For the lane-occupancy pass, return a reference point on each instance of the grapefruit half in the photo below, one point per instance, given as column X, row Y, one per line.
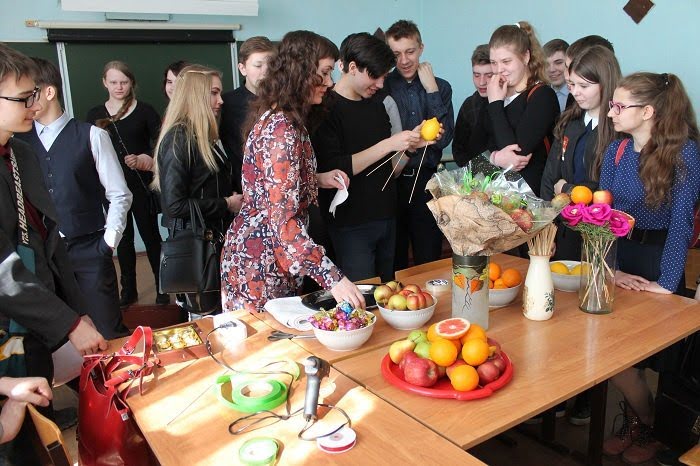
column 452, row 329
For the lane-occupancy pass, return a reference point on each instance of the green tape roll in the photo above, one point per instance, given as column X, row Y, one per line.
column 259, row 451
column 275, row 393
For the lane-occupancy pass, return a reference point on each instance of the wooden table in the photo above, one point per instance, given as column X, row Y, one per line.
column 553, row 360
column 199, row 436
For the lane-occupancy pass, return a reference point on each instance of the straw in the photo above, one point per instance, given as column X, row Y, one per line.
column 384, row 162
column 394, row 169
column 543, row 243
column 417, row 173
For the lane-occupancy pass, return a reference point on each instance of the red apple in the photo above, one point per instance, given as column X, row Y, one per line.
column 410, row 355
column 523, row 218
column 413, row 287
column 429, row 301
column 488, row 372
column 457, row 363
column 603, row 197
column 499, row 362
column 415, row 301
column 397, row 302
column 442, row 370
column 382, row 293
column 421, row 372
column 405, row 293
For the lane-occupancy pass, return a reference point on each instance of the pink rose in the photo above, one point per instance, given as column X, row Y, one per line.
column 619, row 226
column 596, row 214
column 573, row 213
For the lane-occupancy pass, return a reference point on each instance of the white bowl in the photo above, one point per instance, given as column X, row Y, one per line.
column 499, row 297
column 568, row 283
column 345, row 340
column 408, row 320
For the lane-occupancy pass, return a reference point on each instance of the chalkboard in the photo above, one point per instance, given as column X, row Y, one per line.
column 146, row 60
column 45, row 50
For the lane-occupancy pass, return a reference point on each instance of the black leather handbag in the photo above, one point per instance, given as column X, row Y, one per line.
column 189, row 258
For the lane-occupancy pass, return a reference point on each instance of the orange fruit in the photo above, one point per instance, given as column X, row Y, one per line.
column 494, row 271
column 475, row 331
column 490, row 284
column 475, row 351
column 451, row 329
column 443, row 352
column 581, row 195
column 464, row 378
column 511, row 278
column 499, row 285
column 432, row 336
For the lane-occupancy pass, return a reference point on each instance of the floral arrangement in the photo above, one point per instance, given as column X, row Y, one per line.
column 597, row 220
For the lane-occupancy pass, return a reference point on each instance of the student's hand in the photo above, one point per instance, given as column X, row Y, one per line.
column 427, row 77
column 234, row 202
column 86, row 338
column 328, row 180
column 495, row 89
column 11, row 418
column 654, row 287
column 143, row 162
column 630, row 282
column 34, row 390
column 405, row 140
column 345, row 290
column 507, row 157
column 558, row 186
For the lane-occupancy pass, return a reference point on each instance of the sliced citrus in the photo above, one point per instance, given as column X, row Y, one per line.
column 451, row 329
column 475, row 331
column 475, row 351
column 443, row 352
column 464, row 378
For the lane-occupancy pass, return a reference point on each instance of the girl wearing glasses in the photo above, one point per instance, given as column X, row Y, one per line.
column 521, row 109
column 654, row 175
column 133, row 127
column 267, row 249
column 581, row 136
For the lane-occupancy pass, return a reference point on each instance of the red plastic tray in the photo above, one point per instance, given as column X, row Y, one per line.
column 443, row 388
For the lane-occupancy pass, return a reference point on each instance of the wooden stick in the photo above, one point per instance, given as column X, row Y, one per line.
column 417, row 173
column 392, row 171
column 384, row 162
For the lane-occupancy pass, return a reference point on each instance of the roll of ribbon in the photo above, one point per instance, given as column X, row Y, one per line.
column 258, row 451
column 250, row 396
column 339, row 442
column 437, row 285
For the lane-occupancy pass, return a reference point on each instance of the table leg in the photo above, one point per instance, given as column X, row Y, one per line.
column 596, row 430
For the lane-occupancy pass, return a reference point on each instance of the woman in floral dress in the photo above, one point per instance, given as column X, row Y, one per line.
column 268, row 250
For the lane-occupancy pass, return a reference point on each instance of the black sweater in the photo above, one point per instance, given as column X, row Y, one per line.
column 351, row 127
column 526, row 121
column 560, row 163
column 468, row 142
column 233, row 116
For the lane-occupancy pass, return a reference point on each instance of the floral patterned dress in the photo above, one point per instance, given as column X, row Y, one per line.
column 267, row 249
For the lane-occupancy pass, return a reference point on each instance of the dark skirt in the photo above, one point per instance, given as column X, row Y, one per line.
column 645, row 260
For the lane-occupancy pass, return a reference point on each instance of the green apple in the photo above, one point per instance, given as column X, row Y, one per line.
column 398, row 350
column 422, row 349
column 417, row 336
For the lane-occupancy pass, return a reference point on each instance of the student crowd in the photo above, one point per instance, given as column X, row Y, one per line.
column 263, row 163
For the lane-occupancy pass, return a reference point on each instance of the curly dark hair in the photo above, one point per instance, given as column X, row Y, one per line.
column 291, row 77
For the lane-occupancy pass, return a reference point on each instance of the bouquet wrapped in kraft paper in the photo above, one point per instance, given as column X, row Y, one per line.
column 484, row 210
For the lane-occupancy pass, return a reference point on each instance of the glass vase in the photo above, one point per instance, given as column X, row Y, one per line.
column 596, row 292
column 470, row 289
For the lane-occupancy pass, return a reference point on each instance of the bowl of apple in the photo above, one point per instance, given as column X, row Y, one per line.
column 404, row 307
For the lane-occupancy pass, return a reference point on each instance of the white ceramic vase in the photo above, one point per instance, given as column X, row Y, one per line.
column 538, row 291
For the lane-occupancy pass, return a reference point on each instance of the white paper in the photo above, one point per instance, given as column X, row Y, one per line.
column 290, row 312
column 340, row 196
column 67, row 363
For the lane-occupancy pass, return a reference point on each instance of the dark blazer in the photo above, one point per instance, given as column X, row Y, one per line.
column 560, row 166
column 44, row 302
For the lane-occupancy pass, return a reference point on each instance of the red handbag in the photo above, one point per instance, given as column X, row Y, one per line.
column 107, row 434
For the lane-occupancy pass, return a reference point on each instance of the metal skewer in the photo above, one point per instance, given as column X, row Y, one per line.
column 417, row 173
column 393, row 170
column 384, row 162
column 193, row 402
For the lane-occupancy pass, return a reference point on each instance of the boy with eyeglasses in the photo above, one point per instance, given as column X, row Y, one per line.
column 84, row 179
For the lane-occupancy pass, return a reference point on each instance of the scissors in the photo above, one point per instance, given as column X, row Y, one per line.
column 278, row 335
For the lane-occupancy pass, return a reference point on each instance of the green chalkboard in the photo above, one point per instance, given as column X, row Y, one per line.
column 45, row 50
column 146, row 60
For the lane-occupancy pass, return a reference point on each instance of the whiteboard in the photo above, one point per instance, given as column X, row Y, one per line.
column 191, row 7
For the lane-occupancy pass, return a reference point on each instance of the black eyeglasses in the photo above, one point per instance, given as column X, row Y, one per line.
column 618, row 107
column 28, row 101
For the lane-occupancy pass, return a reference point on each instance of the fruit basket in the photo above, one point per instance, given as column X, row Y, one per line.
column 443, row 389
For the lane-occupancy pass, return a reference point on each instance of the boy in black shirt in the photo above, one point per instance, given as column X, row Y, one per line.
column 355, row 137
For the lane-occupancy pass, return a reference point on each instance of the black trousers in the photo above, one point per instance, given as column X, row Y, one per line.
column 96, row 275
column 415, row 223
column 365, row 250
column 147, row 223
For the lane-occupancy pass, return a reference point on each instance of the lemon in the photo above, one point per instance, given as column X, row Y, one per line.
column 578, row 269
column 430, row 129
column 558, row 267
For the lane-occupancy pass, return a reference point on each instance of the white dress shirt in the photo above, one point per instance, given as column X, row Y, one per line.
column 108, row 169
column 587, row 119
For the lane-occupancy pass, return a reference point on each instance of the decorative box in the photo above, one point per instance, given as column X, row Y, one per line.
column 179, row 343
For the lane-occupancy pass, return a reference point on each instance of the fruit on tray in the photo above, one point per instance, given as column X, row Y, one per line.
column 451, row 348
column 392, row 295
